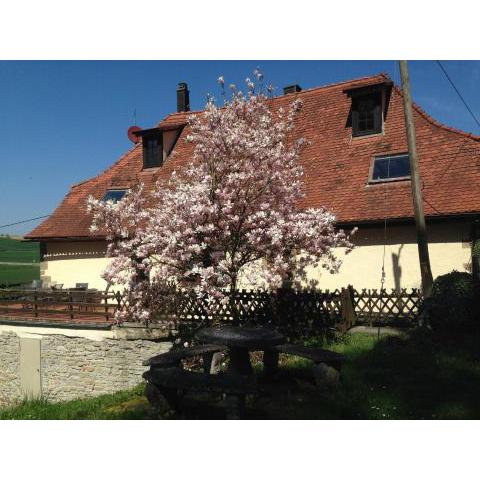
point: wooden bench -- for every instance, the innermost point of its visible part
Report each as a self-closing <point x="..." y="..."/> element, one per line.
<point x="173" y="382"/>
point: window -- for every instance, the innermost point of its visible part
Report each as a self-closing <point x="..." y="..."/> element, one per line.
<point x="114" y="195"/>
<point x="367" y="114"/>
<point x="152" y="151"/>
<point x="158" y="144"/>
<point x="390" y="167"/>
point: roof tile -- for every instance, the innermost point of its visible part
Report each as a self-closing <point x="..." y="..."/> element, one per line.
<point x="336" y="165"/>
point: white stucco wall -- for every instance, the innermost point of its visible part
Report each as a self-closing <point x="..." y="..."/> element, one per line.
<point x="449" y="249"/>
<point x="73" y="262"/>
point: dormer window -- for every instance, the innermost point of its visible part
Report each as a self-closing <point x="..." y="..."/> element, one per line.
<point x="158" y="143"/>
<point x="369" y="108"/>
<point x="152" y="150"/>
<point x="367" y="116"/>
<point x="114" y="195"/>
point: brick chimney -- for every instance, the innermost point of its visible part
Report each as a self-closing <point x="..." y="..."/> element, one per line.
<point x="183" y="97"/>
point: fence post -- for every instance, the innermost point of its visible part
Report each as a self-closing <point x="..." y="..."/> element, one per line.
<point x="370" y="308"/>
<point x="70" y="304"/>
<point x="348" y="310"/>
<point x="35" y="304"/>
<point x="351" y="292"/>
<point x="106" y="305"/>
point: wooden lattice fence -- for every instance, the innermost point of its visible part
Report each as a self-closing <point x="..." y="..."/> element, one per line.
<point x="294" y="312"/>
<point x="394" y="307"/>
<point x="300" y="312"/>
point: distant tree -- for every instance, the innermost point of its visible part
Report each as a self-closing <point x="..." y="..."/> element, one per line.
<point x="231" y="213"/>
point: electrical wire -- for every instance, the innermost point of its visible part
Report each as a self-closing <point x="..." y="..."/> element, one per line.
<point x="458" y="93"/>
<point x="23" y="221"/>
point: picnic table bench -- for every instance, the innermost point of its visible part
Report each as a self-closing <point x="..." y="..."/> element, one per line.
<point x="168" y="377"/>
<point x="173" y="358"/>
<point x="316" y="355"/>
<point x="173" y="382"/>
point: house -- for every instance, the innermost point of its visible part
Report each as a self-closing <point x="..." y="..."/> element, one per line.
<point x="356" y="164"/>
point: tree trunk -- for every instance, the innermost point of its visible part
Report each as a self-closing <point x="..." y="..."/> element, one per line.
<point x="232" y="303"/>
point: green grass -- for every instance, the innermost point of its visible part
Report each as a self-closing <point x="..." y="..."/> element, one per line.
<point x="15" y="250"/>
<point x="127" y="405"/>
<point x="417" y="378"/>
<point x="386" y="378"/>
<point x="391" y="378"/>
<point x="15" y="274"/>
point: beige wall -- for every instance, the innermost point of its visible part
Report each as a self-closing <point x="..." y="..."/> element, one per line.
<point x="73" y="262"/>
<point x="449" y="249"/>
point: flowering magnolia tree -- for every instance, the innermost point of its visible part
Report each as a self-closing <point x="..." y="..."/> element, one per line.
<point x="230" y="216"/>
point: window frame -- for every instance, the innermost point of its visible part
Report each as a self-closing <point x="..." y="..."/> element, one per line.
<point x="124" y="190"/>
<point x="372" y="181"/>
<point x="145" y="139"/>
<point x="378" y="119"/>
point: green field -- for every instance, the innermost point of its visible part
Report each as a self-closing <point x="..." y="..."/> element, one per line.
<point x="13" y="250"/>
<point x="16" y="250"/>
<point x="15" y="274"/>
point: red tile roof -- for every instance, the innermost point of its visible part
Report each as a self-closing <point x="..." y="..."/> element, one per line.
<point x="336" y="165"/>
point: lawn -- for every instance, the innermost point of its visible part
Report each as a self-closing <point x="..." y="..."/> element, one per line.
<point x="17" y="274"/>
<point x="13" y="250"/>
<point x="386" y="378"/>
<point x="129" y="404"/>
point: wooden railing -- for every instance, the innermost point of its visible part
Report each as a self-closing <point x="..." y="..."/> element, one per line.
<point x="303" y="310"/>
<point x="287" y="310"/>
<point x="75" y="306"/>
<point x="300" y="310"/>
<point x="383" y="307"/>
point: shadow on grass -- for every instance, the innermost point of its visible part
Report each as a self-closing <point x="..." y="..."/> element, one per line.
<point x="418" y="378"/>
<point x="387" y="378"/>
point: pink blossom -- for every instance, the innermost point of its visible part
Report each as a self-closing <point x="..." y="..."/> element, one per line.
<point x="231" y="214"/>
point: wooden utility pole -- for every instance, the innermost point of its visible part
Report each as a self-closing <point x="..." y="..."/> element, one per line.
<point x="425" y="269"/>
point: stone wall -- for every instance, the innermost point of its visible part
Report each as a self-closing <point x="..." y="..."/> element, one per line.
<point x="9" y="367"/>
<point x="75" y="367"/>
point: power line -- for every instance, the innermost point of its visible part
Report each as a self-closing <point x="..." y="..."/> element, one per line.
<point x="24" y="221"/>
<point x="458" y="93"/>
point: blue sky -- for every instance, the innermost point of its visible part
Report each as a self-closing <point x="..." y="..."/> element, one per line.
<point x="65" y="121"/>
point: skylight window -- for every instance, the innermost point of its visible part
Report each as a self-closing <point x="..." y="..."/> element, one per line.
<point x="389" y="168"/>
<point x="114" y="195"/>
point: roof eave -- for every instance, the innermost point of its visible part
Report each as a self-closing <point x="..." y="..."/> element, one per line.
<point x="64" y="238"/>
<point x="406" y="220"/>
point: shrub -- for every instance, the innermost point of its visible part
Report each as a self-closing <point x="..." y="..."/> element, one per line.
<point x="452" y="305"/>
